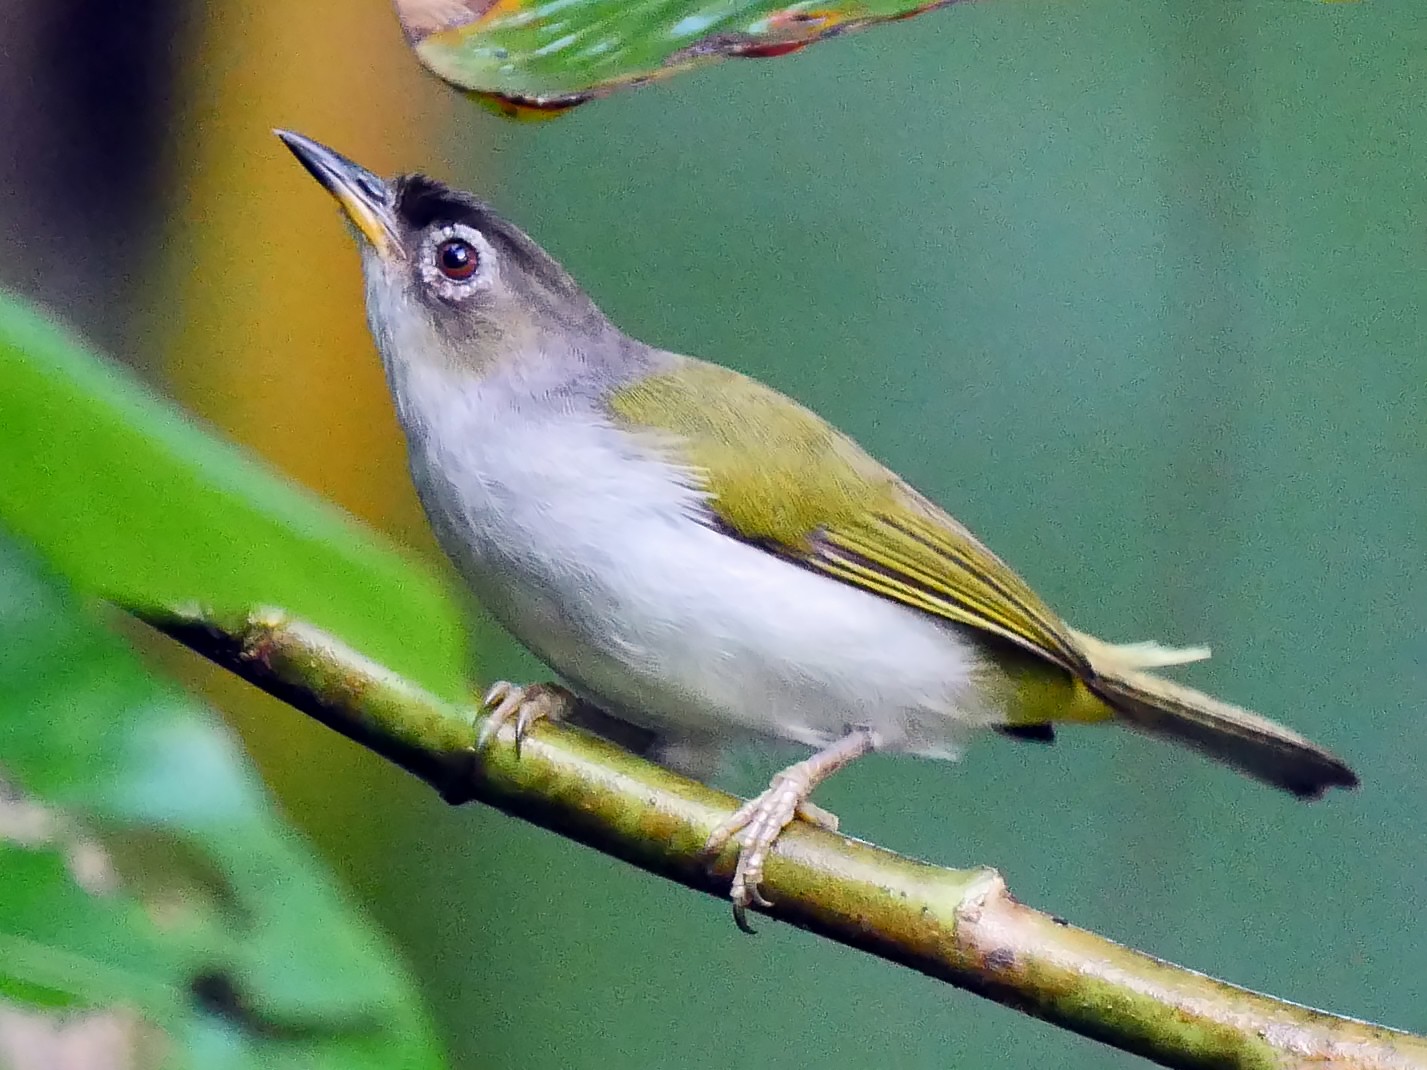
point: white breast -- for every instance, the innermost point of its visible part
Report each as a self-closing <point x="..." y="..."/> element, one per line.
<point x="584" y="542"/>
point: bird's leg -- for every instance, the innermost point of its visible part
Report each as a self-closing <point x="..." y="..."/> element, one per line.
<point x="526" y="705"/>
<point x="762" y="820"/>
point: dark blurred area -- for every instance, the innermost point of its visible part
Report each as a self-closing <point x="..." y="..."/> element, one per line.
<point x="1134" y="287"/>
<point x="88" y="97"/>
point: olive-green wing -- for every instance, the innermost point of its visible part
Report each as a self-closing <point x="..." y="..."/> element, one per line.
<point x="780" y="477"/>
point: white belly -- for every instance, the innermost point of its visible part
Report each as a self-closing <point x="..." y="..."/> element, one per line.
<point x="587" y="548"/>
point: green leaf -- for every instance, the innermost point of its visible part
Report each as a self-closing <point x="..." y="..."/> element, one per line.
<point x="551" y="56"/>
<point x="143" y="873"/>
<point x="129" y="500"/>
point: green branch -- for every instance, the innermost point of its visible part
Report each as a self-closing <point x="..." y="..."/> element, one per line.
<point x="962" y="927"/>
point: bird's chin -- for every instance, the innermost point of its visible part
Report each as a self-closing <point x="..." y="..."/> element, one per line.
<point x="400" y="326"/>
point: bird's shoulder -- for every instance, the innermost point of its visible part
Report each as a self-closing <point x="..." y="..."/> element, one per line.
<point x="773" y="470"/>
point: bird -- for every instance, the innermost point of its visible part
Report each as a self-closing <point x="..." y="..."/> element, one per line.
<point x="705" y="562"/>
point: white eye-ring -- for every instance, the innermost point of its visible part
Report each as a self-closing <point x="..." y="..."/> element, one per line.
<point x="456" y="260"/>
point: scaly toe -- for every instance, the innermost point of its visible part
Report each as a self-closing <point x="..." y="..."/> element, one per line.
<point x="731" y="827"/>
<point x="814" y="814"/>
<point x="748" y="875"/>
<point x="748" y="878"/>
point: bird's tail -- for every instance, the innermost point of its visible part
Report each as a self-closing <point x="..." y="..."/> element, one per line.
<point x="1244" y="740"/>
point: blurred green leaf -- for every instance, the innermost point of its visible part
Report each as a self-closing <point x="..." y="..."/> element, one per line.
<point x="553" y="54"/>
<point x="142" y="872"/>
<point x="128" y="499"/>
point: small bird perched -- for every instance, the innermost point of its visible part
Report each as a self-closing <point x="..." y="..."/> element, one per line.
<point x="699" y="556"/>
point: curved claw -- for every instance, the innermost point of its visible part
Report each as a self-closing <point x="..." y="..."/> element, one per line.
<point x="746" y="890"/>
<point x="728" y="829"/>
<point x="502" y="702"/>
<point x="525" y="705"/>
<point x="740" y="918"/>
<point x="534" y="709"/>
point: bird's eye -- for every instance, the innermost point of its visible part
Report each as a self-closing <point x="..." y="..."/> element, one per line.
<point x="457" y="259"/>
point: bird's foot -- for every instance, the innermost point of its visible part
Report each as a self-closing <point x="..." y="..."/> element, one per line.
<point x="525" y="705"/>
<point x="759" y="822"/>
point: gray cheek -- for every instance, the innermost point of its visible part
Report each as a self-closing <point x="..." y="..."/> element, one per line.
<point x="414" y="328"/>
<point x="471" y="332"/>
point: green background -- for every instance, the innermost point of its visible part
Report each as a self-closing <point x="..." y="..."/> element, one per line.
<point x="1132" y="286"/>
<point x="1135" y="289"/>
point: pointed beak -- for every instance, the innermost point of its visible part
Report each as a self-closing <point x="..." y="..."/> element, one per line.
<point x="365" y="198"/>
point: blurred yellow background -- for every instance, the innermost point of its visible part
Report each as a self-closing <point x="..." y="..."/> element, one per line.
<point x="261" y="324"/>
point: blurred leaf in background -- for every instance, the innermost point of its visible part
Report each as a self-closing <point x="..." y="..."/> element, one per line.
<point x="556" y="55"/>
<point x="534" y="59"/>
<point x="132" y="502"/>
<point x="152" y="909"/>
